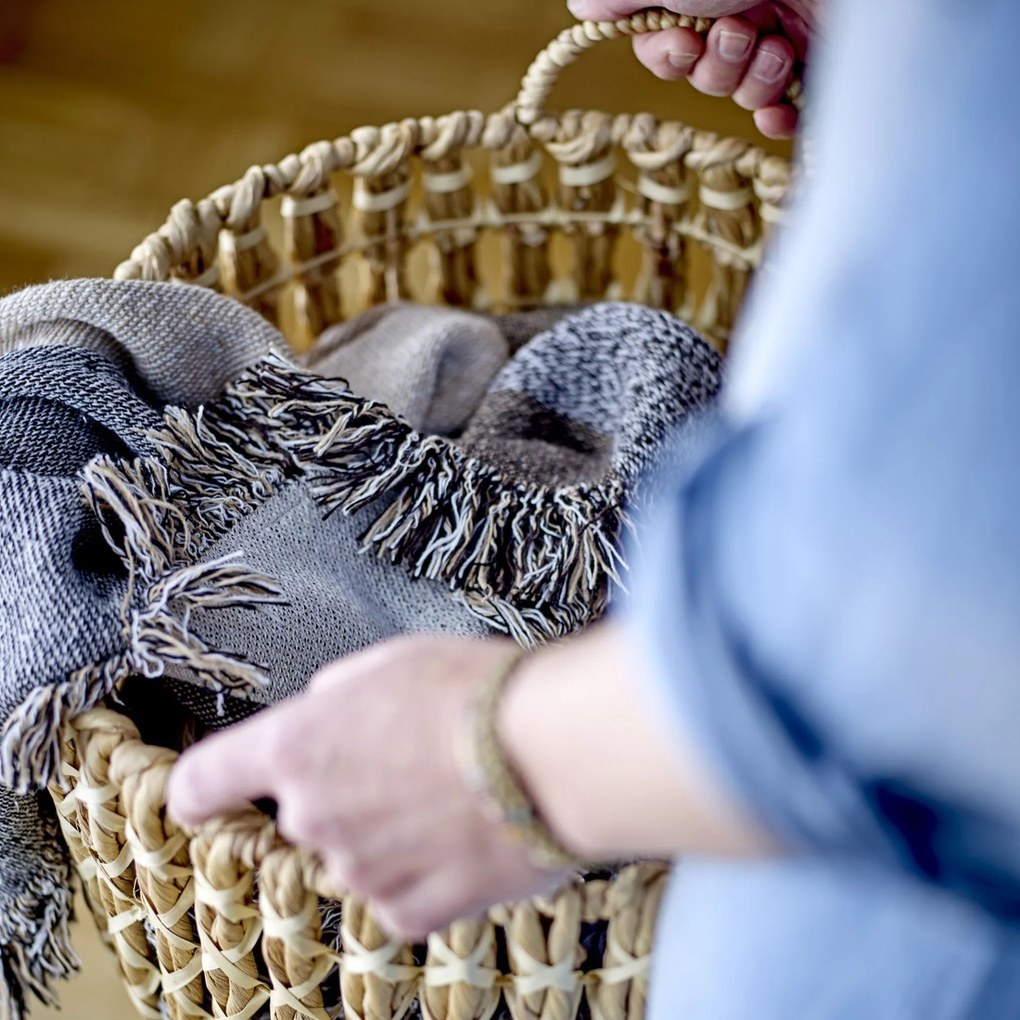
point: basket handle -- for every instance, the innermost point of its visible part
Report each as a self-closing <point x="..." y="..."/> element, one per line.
<point x="568" y="46"/>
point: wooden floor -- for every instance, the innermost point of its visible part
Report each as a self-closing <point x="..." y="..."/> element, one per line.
<point x="112" y="110"/>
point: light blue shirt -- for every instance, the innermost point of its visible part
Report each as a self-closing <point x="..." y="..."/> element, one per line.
<point x="832" y="592"/>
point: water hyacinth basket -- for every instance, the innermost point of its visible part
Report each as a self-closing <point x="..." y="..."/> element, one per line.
<point x="503" y="211"/>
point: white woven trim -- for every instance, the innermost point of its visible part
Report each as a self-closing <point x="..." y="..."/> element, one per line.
<point x="156" y="860"/>
<point x="281" y="996"/>
<point x="106" y="818"/>
<point x="193" y="1009"/>
<point x="630" y="968"/>
<point x="771" y="213"/>
<point x="518" y="173"/>
<point x="226" y="960"/>
<point x="231" y="242"/>
<point x="358" y="959"/>
<point x="207" y="279"/>
<point x="132" y="958"/>
<point x="487" y="1013"/>
<point x="291" y="207"/>
<point x="381" y="201"/>
<point x="174" y="981"/>
<point x="666" y="194"/>
<point x="588" y="174"/>
<point x="225" y="901"/>
<point x="540" y="977"/>
<point x="185" y="901"/>
<point x="453" y="969"/>
<point x="444" y="183"/>
<point x="124" y="920"/>
<point x="728" y="201"/>
<point x="96" y="796"/>
<point x="124" y="860"/>
<point x="254" y="1006"/>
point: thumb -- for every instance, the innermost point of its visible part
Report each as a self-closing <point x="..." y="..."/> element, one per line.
<point x="225" y="772"/>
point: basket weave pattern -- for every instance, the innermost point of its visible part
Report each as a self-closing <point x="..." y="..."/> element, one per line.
<point x="231" y="921"/>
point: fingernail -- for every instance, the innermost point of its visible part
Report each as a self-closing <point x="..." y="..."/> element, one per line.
<point x="681" y="61"/>
<point x="734" y="46"/>
<point x="769" y="67"/>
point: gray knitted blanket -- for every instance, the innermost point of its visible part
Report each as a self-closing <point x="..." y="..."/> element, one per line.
<point x="182" y="502"/>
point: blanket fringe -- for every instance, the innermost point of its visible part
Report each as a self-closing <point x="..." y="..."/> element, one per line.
<point x="535" y="562"/>
<point x="136" y="509"/>
<point x="35" y="944"/>
<point x="30" y="745"/>
<point x="162" y="555"/>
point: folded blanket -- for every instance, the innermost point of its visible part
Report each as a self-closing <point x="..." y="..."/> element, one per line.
<point x="181" y="502"/>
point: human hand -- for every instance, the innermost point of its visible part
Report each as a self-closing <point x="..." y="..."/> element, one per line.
<point x="750" y="57"/>
<point x="363" y="768"/>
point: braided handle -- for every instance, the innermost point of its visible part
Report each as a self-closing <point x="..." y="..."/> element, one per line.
<point x="565" y="49"/>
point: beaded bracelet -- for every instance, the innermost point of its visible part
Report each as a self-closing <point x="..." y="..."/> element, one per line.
<point x="488" y="772"/>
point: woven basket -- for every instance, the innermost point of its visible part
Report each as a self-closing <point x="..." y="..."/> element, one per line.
<point x="511" y="210"/>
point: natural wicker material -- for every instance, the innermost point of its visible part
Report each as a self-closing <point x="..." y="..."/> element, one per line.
<point x="228" y="922"/>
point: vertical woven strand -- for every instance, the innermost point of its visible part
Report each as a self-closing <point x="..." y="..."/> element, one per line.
<point x="312" y="228"/>
<point x="66" y="803"/>
<point x="382" y="187"/>
<point x="164" y="873"/>
<point x="196" y="228"/>
<point x="631" y="907"/>
<point x="248" y="262"/>
<point x="449" y="195"/>
<point x="518" y="190"/>
<point x="665" y="195"/>
<point x="225" y="856"/>
<point x="727" y="212"/>
<point x="461" y="979"/>
<point x="379" y="978"/>
<point x="102" y="824"/>
<point x="545" y="954"/>
<point x="292" y="945"/>
<point x="582" y="146"/>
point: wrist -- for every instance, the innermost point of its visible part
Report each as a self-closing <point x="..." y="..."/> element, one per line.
<point x="492" y="772"/>
<point x="537" y="720"/>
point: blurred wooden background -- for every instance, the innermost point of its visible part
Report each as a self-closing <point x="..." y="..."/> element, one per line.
<point x="110" y="111"/>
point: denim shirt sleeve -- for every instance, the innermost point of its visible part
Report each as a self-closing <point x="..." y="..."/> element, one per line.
<point x="831" y="591"/>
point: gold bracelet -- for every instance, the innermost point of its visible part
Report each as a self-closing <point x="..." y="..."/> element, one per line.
<point x="489" y="773"/>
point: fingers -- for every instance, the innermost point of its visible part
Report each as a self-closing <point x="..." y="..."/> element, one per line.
<point x="728" y="51"/>
<point x="777" y="121"/>
<point x="224" y="773"/>
<point x="767" y="75"/>
<point x="738" y="58"/>
<point x="671" y="55"/>
<point x="429" y="903"/>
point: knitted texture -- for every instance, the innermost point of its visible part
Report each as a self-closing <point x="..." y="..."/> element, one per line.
<point x="179" y="502"/>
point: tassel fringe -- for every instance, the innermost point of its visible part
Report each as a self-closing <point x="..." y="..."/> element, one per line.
<point x="143" y="522"/>
<point x="35" y="942"/>
<point x="535" y="562"/>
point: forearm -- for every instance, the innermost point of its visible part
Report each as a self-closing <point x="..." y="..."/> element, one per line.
<point x="608" y="777"/>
